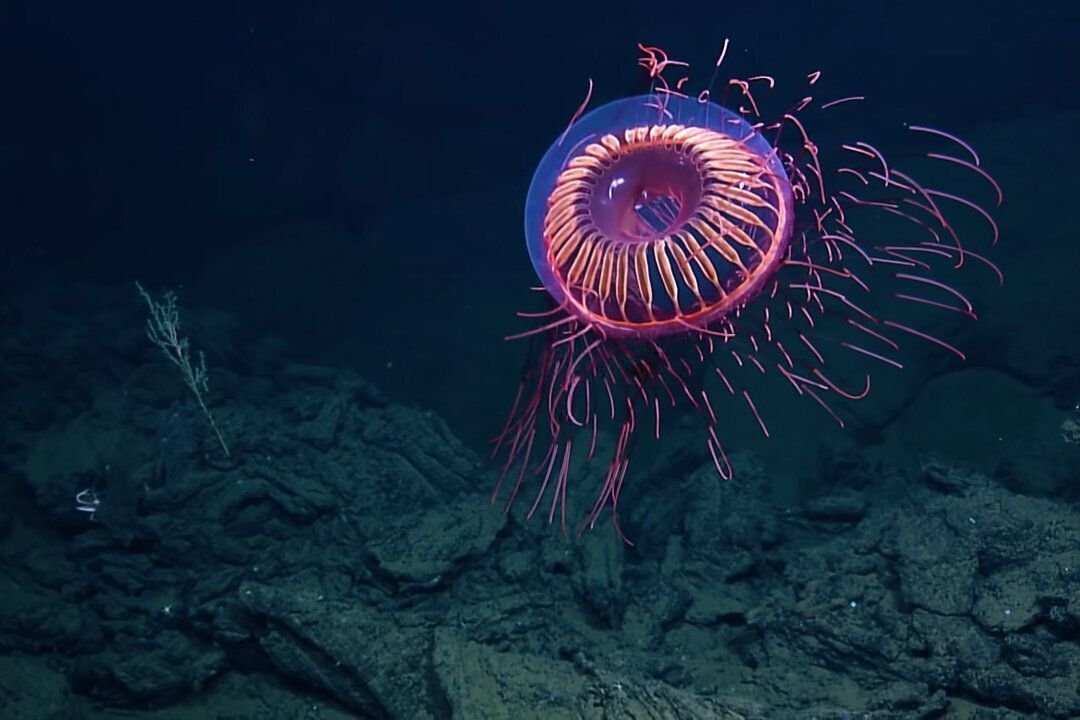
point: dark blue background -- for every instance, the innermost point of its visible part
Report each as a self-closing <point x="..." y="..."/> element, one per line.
<point x="351" y="177"/>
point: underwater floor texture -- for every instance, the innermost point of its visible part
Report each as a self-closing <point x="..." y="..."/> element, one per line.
<point x="345" y="560"/>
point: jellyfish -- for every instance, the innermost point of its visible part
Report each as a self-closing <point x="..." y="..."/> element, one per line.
<point x="683" y="242"/>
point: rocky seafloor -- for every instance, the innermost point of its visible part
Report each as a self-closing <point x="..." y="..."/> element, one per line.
<point x="346" y="561"/>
